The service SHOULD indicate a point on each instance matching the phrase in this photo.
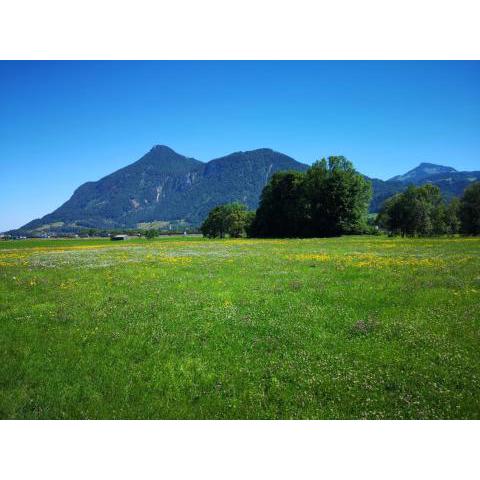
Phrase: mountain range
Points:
(164, 189)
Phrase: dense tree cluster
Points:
(422, 211)
(150, 234)
(469, 210)
(331, 198)
(232, 219)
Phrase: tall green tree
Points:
(469, 210)
(231, 219)
(236, 219)
(338, 197)
(452, 216)
(419, 211)
(150, 234)
(215, 223)
(282, 211)
(432, 210)
(331, 198)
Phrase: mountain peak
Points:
(162, 148)
(436, 166)
(421, 172)
(256, 151)
(161, 158)
(261, 150)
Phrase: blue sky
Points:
(65, 123)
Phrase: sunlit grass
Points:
(353, 327)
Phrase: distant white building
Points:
(119, 237)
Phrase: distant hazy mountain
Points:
(164, 188)
(451, 182)
(422, 172)
(382, 190)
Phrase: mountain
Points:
(165, 188)
(451, 182)
(422, 172)
(381, 190)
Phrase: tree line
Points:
(422, 211)
(331, 198)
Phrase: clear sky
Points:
(65, 123)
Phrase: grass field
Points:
(352, 327)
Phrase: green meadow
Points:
(188, 328)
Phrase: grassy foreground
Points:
(353, 327)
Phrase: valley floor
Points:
(352, 327)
